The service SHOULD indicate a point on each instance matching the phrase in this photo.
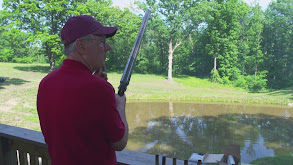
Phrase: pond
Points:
(177, 129)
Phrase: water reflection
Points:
(252, 151)
(180, 129)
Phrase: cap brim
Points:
(107, 31)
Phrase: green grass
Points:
(18, 93)
(276, 160)
(187, 88)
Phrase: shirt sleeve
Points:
(110, 120)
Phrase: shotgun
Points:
(125, 79)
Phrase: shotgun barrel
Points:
(125, 79)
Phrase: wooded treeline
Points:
(228, 41)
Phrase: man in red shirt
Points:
(82, 119)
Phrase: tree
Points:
(277, 43)
(181, 18)
(14, 46)
(255, 39)
(154, 48)
(222, 34)
(43, 20)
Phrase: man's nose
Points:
(107, 47)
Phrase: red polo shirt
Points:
(78, 116)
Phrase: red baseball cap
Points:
(79, 26)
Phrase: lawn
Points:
(18, 92)
(276, 160)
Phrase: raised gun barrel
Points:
(130, 63)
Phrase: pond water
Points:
(177, 129)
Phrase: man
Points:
(82, 119)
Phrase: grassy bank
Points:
(18, 92)
(276, 160)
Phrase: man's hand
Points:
(101, 73)
(120, 101)
(121, 144)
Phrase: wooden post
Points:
(174, 161)
(164, 160)
(22, 157)
(157, 160)
(1, 151)
(185, 162)
(34, 160)
(45, 161)
(7, 153)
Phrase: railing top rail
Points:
(22, 134)
(37, 138)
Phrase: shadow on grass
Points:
(12, 81)
(180, 76)
(187, 76)
(155, 74)
(282, 92)
(41, 69)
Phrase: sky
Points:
(122, 3)
(127, 3)
(262, 3)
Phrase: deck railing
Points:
(20, 146)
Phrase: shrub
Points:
(258, 83)
(23, 60)
(215, 77)
(241, 82)
(6, 55)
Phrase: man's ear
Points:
(80, 46)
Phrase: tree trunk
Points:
(191, 43)
(52, 61)
(255, 74)
(38, 56)
(171, 51)
(170, 61)
(215, 64)
(52, 65)
(50, 56)
(170, 66)
(162, 55)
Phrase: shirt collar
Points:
(74, 65)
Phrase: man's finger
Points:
(104, 68)
(103, 75)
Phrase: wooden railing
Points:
(19, 146)
(22, 146)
